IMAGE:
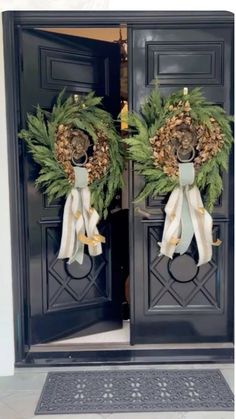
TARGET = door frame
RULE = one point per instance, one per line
(13, 22)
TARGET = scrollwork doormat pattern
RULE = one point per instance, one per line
(134, 391)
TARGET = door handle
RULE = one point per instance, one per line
(144, 213)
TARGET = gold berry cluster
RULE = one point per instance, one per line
(98, 163)
(209, 142)
(63, 150)
(179, 129)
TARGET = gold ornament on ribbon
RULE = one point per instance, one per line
(181, 145)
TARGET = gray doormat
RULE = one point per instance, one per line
(134, 391)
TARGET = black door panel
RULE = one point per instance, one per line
(65, 299)
(174, 300)
(176, 295)
(53, 61)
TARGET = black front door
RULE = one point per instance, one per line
(65, 299)
(174, 301)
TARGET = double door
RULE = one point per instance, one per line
(171, 301)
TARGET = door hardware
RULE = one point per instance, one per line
(143, 212)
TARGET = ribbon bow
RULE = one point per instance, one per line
(80, 219)
(186, 216)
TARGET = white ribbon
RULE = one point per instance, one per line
(185, 216)
(79, 222)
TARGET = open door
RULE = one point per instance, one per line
(65, 299)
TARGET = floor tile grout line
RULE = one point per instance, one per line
(82, 368)
(8, 406)
(7, 394)
(16, 412)
(23, 392)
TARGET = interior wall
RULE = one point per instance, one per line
(104, 34)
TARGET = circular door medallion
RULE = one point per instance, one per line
(77, 271)
(183, 268)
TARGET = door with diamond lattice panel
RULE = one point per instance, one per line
(64, 299)
(175, 300)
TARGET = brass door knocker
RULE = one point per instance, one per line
(76, 158)
(184, 144)
(185, 155)
(80, 147)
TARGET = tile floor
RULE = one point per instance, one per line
(120, 336)
(19, 395)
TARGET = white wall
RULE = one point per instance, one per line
(6, 317)
(6, 304)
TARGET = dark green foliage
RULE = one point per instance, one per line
(86, 115)
(154, 113)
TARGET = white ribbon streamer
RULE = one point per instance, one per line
(201, 221)
(202, 225)
(79, 220)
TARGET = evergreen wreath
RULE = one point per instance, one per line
(54, 138)
(165, 123)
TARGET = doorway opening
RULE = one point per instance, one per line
(38, 65)
(82, 59)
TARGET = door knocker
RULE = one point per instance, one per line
(185, 155)
(80, 147)
(184, 144)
